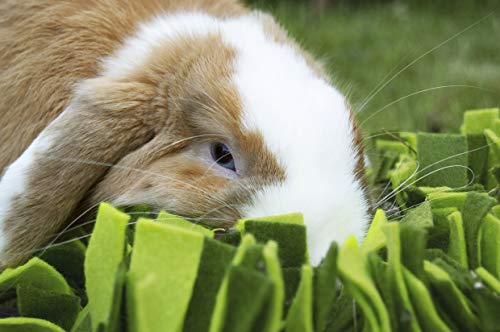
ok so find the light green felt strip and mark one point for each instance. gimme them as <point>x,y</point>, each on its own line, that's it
<point>440,200</point>
<point>401,176</point>
<point>325,288</point>
<point>60,309</point>
<point>496,210</point>
<point>83,323</point>
<point>25,324</point>
<point>104,254</point>
<point>300,317</point>
<point>394,146</point>
<point>375,238</point>
<point>273,268</point>
<point>478,157</point>
<point>354,270</point>
<point>163,270</point>
<point>451,297</point>
<point>457,249</point>
<point>291,218</point>
<point>443,160</point>
<point>395,272</point>
<point>493,141</point>
<point>37,273</point>
<point>424,307</point>
<point>490,244</point>
<point>476,121</point>
<point>171,219</point>
<point>489,279</point>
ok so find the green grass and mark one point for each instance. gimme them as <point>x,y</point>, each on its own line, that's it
<point>361,45</point>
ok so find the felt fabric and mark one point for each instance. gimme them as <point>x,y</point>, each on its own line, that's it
<point>82,323</point>
<point>493,141</point>
<point>395,274</point>
<point>101,269</point>
<point>25,324</point>
<point>354,271</point>
<point>420,216</point>
<point>274,312</point>
<point>402,176</point>
<point>443,160</point>
<point>325,288</point>
<point>489,279</point>
<point>171,219</point>
<point>476,121</point>
<point>300,316</point>
<point>490,245</point>
<point>163,270</point>
<point>474,210</point>
<point>440,200</point>
<point>37,273</point>
<point>291,239</point>
<point>425,310</point>
<point>215,259</point>
<point>413,241</point>
<point>289,218</point>
<point>60,309</point>
<point>450,297</point>
<point>291,277</point>
<point>375,238</point>
<point>457,248</point>
<point>478,157</point>
<point>68,260</point>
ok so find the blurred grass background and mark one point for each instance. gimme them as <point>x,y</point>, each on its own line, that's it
<point>362,42</point>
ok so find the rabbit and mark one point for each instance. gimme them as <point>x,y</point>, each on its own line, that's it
<point>204,108</point>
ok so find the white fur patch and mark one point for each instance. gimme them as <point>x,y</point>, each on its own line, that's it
<point>304,122</point>
<point>14,181</point>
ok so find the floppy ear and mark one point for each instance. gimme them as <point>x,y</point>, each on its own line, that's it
<point>38,192</point>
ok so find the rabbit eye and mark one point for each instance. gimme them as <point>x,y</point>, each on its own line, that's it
<point>222,156</point>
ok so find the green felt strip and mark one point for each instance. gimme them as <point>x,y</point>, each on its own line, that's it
<point>474,210</point>
<point>441,200</point>
<point>444,212</point>
<point>295,218</point>
<point>104,255</point>
<point>478,157</point>
<point>291,277</point>
<point>489,279</point>
<point>421,299</point>
<point>171,219</point>
<point>413,241</point>
<point>488,307</point>
<point>375,238</point>
<point>220,308</point>
<point>275,311</point>
<point>490,244</point>
<point>163,270</point>
<point>450,297</point>
<point>443,160</point>
<point>354,271</point>
<point>325,288</point>
<point>420,216</point>
<point>83,323</point>
<point>60,309</point>
<point>402,176</point>
<point>248,293</point>
<point>300,317</point>
<point>37,273</point>
<point>291,239</point>
<point>25,324</point>
<point>476,121</point>
<point>496,210</point>
<point>215,260</point>
<point>395,272</point>
<point>68,260</point>
<point>457,248</point>
<point>391,145</point>
<point>157,299</point>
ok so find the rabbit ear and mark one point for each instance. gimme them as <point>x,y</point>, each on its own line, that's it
<point>38,192</point>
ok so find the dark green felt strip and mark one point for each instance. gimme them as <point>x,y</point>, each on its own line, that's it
<point>215,260</point>
<point>60,309</point>
<point>474,210</point>
<point>325,288</point>
<point>443,160</point>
